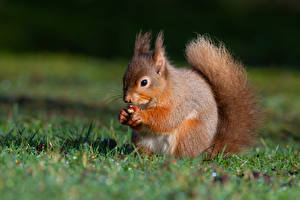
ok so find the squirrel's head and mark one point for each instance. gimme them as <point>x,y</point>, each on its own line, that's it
<point>146,76</point>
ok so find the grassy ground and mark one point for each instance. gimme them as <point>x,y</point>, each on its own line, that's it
<point>57,113</point>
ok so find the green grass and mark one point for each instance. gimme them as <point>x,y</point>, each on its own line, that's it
<point>57,113</point>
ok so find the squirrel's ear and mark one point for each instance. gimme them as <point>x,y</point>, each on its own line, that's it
<point>142,43</point>
<point>159,54</point>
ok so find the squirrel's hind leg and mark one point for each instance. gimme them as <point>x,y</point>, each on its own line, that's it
<point>192,139</point>
<point>135,139</point>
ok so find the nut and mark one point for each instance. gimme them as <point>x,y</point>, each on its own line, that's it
<point>132,109</point>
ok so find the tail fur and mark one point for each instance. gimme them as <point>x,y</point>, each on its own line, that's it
<point>237,107</point>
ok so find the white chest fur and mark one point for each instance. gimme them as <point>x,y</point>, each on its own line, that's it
<point>159,143</point>
<point>162,143</point>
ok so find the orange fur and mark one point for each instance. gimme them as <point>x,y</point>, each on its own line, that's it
<point>184,146</point>
<point>238,113</point>
<point>187,112</point>
<point>153,118</point>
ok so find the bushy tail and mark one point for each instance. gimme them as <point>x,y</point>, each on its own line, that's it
<point>236,101</point>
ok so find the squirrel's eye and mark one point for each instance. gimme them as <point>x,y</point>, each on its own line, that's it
<point>144,82</point>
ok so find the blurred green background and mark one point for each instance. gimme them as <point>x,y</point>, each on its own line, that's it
<point>259,32</point>
<point>61,67</point>
<point>68,57</point>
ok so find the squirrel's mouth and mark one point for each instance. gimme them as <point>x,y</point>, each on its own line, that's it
<point>141,100</point>
<point>143,104</point>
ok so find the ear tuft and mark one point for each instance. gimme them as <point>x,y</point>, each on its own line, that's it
<point>142,43</point>
<point>159,40</point>
<point>159,53</point>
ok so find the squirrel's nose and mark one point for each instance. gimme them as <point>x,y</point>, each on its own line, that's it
<point>127,99</point>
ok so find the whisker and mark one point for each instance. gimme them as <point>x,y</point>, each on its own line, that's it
<point>116,95</point>
<point>115,90</point>
<point>113,98</point>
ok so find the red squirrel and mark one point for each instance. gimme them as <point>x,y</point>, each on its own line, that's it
<point>184,112</point>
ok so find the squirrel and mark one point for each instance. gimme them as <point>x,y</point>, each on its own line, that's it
<point>185,112</point>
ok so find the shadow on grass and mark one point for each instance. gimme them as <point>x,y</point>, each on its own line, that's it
<point>67,138</point>
<point>33,141</point>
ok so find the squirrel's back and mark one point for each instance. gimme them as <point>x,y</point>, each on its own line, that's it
<point>237,108</point>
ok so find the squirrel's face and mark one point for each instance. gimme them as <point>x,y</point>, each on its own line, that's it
<point>143,81</point>
<point>146,76</point>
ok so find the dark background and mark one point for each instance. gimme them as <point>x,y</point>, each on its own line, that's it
<point>258,32</point>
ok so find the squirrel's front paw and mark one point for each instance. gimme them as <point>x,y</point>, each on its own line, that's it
<point>124,116</point>
<point>130,116</point>
<point>135,119</point>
